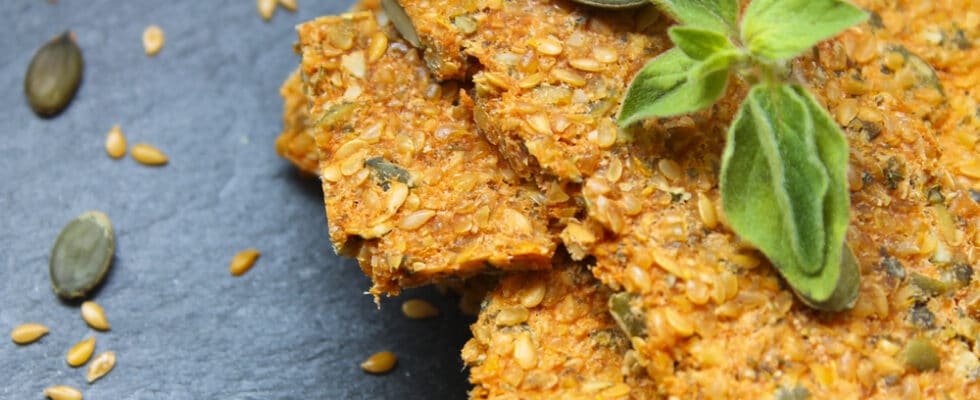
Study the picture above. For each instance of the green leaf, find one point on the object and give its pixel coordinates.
(832, 149)
(699, 43)
(782, 29)
(718, 62)
(784, 189)
(663, 89)
(717, 15)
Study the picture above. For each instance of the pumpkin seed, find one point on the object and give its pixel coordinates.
(79, 354)
(243, 261)
(384, 171)
(63, 393)
(612, 3)
(629, 320)
(94, 316)
(379, 363)
(929, 286)
(28, 333)
(148, 155)
(100, 366)
(115, 142)
(401, 21)
(921, 355)
(81, 255)
(53, 75)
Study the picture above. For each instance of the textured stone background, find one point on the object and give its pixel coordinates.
(296, 326)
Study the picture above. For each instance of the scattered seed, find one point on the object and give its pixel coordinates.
(266, 8)
(28, 333)
(243, 261)
(115, 142)
(79, 354)
(289, 5)
(101, 365)
(53, 75)
(379, 363)
(63, 393)
(148, 155)
(81, 255)
(94, 316)
(419, 309)
(152, 40)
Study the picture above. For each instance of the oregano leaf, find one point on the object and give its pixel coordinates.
(697, 43)
(832, 150)
(717, 15)
(773, 185)
(662, 88)
(782, 29)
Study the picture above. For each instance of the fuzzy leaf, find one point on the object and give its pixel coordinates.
(699, 44)
(782, 29)
(663, 89)
(717, 15)
(781, 184)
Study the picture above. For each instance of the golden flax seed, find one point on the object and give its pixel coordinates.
(63, 393)
(152, 40)
(28, 333)
(94, 316)
(100, 366)
(79, 354)
(512, 316)
(266, 8)
(419, 309)
(243, 261)
(115, 142)
(148, 155)
(289, 5)
(380, 362)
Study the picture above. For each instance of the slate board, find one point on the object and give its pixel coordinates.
(296, 326)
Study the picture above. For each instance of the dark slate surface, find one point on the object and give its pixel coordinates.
(296, 326)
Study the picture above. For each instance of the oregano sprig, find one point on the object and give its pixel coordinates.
(783, 174)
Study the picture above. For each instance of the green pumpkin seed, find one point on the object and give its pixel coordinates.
(384, 172)
(929, 286)
(401, 21)
(921, 355)
(81, 255)
(53, 75)
(631, 321)
(613, 3)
